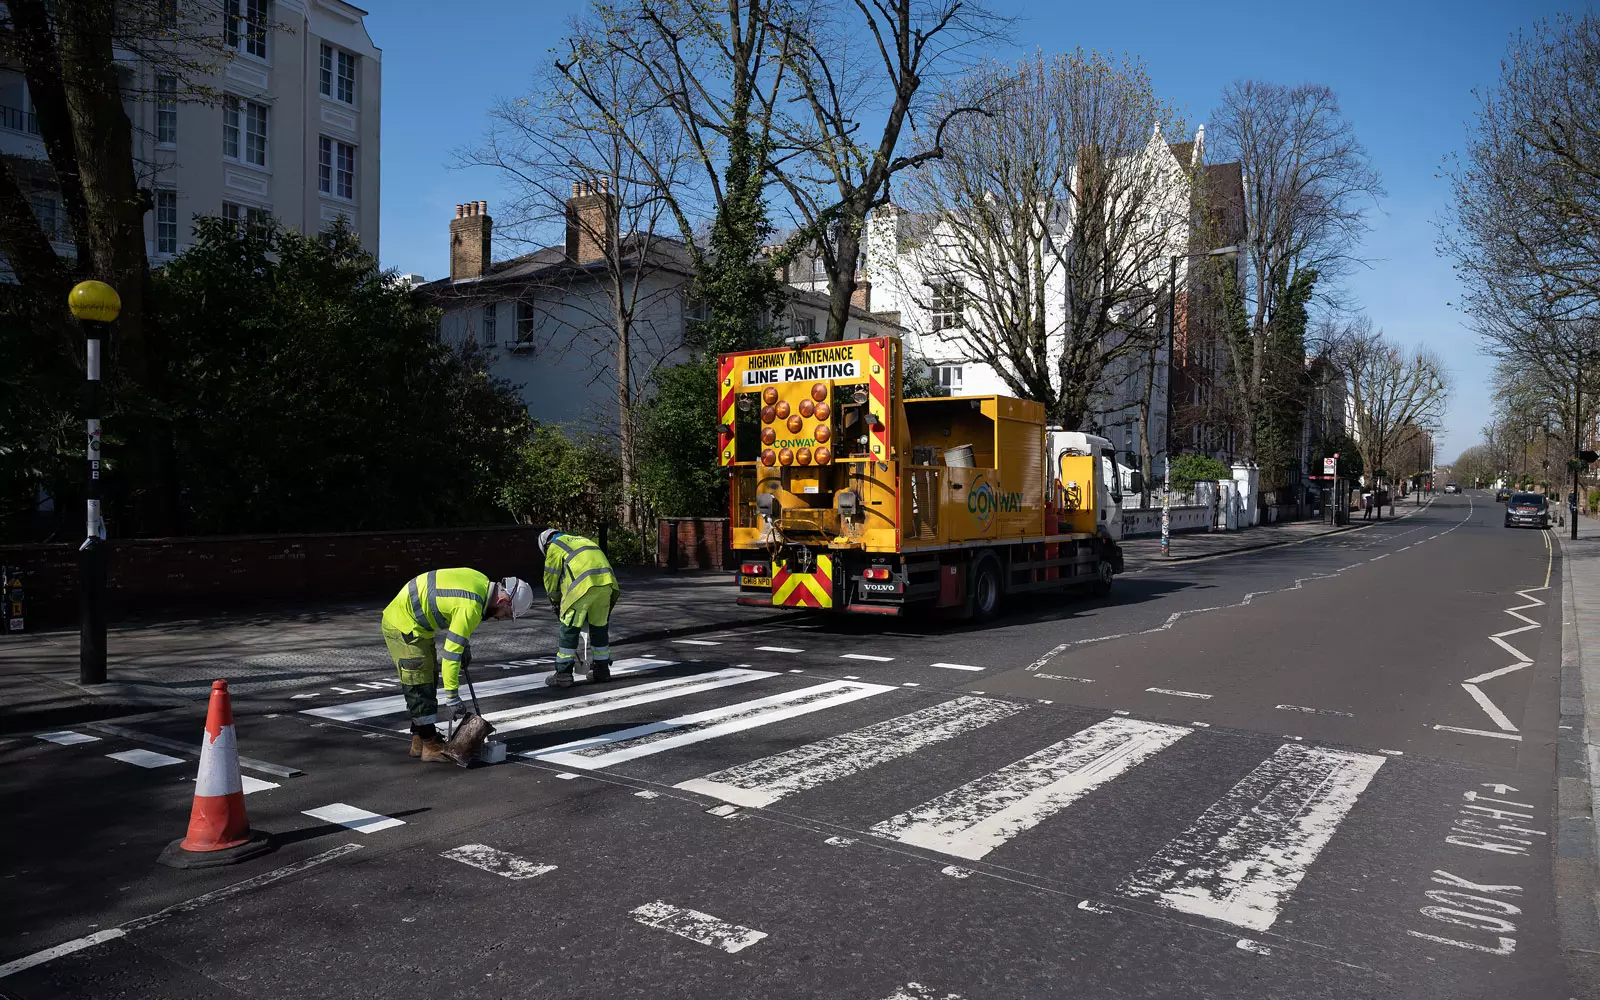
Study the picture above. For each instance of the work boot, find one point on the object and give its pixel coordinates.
(599, 671)
(431, 749)
(416, 744)
(560, 679)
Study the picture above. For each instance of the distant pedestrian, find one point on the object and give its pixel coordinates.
(1366, 505)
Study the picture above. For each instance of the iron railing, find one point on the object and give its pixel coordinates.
(17, 120)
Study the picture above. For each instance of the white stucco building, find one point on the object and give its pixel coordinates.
(293, 131)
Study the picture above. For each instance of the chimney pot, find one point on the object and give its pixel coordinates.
(459, 211)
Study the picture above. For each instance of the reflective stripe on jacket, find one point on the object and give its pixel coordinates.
(573, 566)
(450, 601)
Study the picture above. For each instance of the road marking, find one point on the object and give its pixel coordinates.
(252, 785)
(851, 677)
(370, 708)
(1089, 906)
(910, 684)
(1373, 560)
(1490, 708)
(652, 738)
(724, 810)
(779, 649)
(696, 642)
(956, 666)
(566, 776)
(917, 991)
(1180, 694)
(699, 927)
(498, 862)
(511, 720)
(1243, 857)
(839, 841)
(1479, 732)
(145, 758)
(647, 794)
(67, 738)
(796, 670)
(866, 656)
(955, 871)
(1491, 675)
(65, 948)
(1064, 677)
(767, 780)
(1253, 947)
(355, 819)
(974, 819)
(1314, 711)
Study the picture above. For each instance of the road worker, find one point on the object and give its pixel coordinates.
(582, 588)
(453, 602)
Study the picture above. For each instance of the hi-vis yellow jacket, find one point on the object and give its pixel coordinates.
(573, 566)
(448, 600)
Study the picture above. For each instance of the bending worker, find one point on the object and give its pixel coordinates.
(580, 584)
(455, 602)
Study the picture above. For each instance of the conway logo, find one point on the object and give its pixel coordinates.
(984, 501)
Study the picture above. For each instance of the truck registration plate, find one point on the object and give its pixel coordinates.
(756, 581)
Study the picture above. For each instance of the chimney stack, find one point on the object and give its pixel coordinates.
(591, 222)
(470, 234)
(861, 298)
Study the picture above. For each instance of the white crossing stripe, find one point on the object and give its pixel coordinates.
(866, 656)
(1240, 860)
(511, 720)
(697, 926)
(769, 779)
(499, 862)
(396, 704)
(696, 642)
(917, 991)
(255, 784)
(145, 758)
(955, 666)
(655, 737)
(67, 738)
(1180, 694)
(358, 820)
(779, 649)
(64, 948)
(983, 814)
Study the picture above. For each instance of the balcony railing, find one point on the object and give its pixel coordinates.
(17, 120)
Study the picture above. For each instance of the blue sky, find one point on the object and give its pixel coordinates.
(1405, 71)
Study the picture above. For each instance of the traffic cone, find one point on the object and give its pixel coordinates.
(219, 832)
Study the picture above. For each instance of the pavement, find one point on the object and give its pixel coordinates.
(1332, 767)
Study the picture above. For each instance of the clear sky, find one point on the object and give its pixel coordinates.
(1405, 71)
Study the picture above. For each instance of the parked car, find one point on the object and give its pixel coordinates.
(1528, 509)
(1451, 488)
(1502, 495)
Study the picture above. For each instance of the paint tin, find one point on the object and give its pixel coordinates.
(492, 752)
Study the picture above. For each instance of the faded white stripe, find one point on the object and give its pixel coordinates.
(779, 649)
(1180, 694)
(866, 656)
(358, 820)
(696, 642)
(67, 738)
(396, 704)
(769, 779)
(956, 666)
(655, 737)
(917, 991)
(1244, 855)
(64, 948)
(499, 862)
(696, 926)
(145, 758)
(978, 817)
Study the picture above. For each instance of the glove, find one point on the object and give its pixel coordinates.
(452, 699)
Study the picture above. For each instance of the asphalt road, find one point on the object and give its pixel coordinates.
(1322, 770)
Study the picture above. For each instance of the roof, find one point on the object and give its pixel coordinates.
(1183, 152)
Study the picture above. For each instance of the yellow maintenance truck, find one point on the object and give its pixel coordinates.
(846, 496)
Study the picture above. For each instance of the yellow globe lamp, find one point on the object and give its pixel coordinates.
(94, 301)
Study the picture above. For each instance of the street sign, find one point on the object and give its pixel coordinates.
(1330, 466)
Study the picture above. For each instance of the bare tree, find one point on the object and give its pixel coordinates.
(1045, 228)
(1308, 183)
(1394, 394)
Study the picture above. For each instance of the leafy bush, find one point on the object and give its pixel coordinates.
(561, 482)
(677, 428)
(1190, 469)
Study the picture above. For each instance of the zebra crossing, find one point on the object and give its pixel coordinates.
(779, 740)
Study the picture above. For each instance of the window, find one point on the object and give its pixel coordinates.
(804, 326)
(819, 268)
(490, 338)
(167, 110)
(250, 118)
(51, 219)
(253, 219)
(524, 332)
(245, 27)
(336, 168)
(946, 305)
(949, 377)
(338, 77)
(166, 220)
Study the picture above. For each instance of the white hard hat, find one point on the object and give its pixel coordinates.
(545, 536)
(521, 595)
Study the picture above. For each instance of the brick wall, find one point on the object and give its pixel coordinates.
(180, 574)
(702, 541)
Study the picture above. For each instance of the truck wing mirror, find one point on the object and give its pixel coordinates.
(1136, 482)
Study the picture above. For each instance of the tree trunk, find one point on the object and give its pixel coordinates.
(625, 416)
(842, 282)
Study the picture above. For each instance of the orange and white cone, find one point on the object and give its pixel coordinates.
(219, 831)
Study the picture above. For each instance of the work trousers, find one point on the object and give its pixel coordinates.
(593, 609)
(418, 665)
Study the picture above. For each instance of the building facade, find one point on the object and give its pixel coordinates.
(289, 126)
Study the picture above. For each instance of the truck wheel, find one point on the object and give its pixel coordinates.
(986, 590)
(1104, 574)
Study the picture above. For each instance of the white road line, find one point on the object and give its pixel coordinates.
(252, 785)
(1479, 732)
(1253, 947)
(866, 656)
(1496, 716)
(1313, 711)
(917, 991)
(974, 819)
(696, 926)
(499, 862)
(767, 780)
(725, 810)
(145, 758)
(1180, 694)
(396, 704)
(1243, 857)
(696, 642)
(779, 649)
(652, 738)
(1064, 677)
(956, 666)
(67, 738)
(1491, 675)
(1514, 651)
(355, 819)
(65, 948)
(511, 720)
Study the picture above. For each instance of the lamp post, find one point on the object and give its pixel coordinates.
(1172, 322)
(95, 304)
